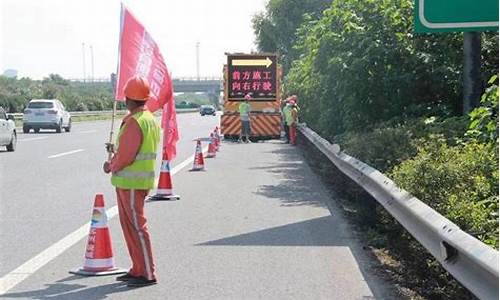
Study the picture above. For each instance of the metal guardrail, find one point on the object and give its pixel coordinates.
(470, 261)
(19, 116)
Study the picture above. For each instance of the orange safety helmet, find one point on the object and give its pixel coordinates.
(137, 88)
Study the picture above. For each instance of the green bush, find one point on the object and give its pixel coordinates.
(484, 119)
(460, 182)
(392, 142)
(381, 148)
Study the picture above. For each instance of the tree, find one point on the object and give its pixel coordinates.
(16, 93)
(275, 29)
(361, 64)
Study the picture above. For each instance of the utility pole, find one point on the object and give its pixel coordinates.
(92, 62)
(472, 71)
(83, 53)
(198, 61)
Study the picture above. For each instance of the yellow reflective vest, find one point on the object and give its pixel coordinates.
(141, 173)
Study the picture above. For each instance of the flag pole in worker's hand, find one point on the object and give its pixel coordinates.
(109, 145)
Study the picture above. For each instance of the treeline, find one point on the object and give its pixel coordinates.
(76, 96)
(393, 99)
(15, 94)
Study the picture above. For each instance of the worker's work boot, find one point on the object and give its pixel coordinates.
(140, 281)
(126, 277)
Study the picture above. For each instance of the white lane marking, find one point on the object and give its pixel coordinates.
(13, 278)
(32, 139)
(66, 153)
(87, 131)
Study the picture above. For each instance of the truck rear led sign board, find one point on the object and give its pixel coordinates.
(252, 74)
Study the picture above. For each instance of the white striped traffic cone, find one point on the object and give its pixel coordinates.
(199, 163)
(99, 252)
(212, 147)
(217, 137)
(164, 190)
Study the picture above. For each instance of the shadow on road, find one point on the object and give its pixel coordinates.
(296, 188)
(316, 232)
(61, 290)
(319, 232)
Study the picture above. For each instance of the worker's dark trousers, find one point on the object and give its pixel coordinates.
(287, 132)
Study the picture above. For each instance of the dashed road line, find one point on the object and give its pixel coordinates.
(86, 131)
(32, 139)
(66, 153)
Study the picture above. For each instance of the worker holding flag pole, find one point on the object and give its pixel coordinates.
(144, 83)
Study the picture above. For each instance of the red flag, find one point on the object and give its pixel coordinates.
(139, 55)
(170, 131)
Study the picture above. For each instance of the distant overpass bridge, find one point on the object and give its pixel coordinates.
(194, 85)
(181, 84)
(212, 86)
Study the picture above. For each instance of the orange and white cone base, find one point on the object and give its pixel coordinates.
(199, 162)
(164, 191)
(99, 252)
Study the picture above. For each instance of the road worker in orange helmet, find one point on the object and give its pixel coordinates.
(245, 111)
(294, 119)
(132, 167)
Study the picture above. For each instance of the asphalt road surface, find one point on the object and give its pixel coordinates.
(254, 225)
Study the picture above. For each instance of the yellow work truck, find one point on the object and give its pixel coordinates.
(259, 76)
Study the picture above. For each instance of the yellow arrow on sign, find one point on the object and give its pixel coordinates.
(253, 62)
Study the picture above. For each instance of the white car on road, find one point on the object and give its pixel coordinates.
(8, 135)
(46, 114)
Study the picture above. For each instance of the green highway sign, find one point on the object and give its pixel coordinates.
(456, 15)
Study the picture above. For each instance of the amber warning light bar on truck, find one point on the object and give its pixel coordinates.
(252, 74)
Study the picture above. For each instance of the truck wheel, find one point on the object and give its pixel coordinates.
(26, 129)
(37, 130)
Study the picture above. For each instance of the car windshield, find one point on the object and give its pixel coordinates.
(41, 105)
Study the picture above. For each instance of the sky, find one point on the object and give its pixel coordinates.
(40, 37)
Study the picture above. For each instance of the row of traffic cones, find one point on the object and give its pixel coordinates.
(165, 191)
(99, 260)
(213, 148)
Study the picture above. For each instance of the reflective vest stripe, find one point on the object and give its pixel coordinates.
(134, 174)
(145, 156)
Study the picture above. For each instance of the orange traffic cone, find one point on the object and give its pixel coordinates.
(215, 141)
(212, 147)
(99, 252)
(217, 137)
(164, 191)
(199, 163)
